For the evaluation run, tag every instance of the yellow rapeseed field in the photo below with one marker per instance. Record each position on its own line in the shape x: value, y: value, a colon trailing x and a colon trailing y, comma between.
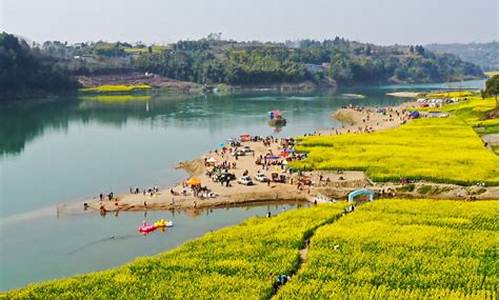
x: 118, y: 88
x: 238, y: 262
x: 403, y: 249
x: 438, y: 150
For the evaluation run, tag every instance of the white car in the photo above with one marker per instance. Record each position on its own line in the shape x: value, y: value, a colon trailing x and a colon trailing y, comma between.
x: 261, y: 178
x: 245, y: 180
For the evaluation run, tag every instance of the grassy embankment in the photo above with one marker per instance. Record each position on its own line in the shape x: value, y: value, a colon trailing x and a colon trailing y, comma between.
x: 438, y: 150
x: 239, y: 262
x: 404, y: 249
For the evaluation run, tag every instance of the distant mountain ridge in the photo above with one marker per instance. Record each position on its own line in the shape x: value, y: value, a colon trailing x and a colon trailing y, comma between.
x: 484, y: 55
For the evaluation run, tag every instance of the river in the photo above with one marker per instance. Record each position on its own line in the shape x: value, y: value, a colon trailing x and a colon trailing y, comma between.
x: 60, y: 150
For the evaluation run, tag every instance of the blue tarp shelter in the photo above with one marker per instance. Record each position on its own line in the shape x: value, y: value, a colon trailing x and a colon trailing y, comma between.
x: 361, y: 192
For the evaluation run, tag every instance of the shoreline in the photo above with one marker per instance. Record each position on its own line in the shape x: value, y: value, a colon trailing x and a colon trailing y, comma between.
x: 404, y: 94
x: 329, y: 183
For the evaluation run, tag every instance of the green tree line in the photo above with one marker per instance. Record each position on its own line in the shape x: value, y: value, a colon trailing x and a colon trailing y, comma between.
x: 25, y: 71
x: 207, y: 61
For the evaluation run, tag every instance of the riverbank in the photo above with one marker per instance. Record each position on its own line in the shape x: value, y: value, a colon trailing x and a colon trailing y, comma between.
x: 304, y: 187
x: 162, y: 83
x: 137, y: 79
x: 369, y: 119
x: 404, y: 94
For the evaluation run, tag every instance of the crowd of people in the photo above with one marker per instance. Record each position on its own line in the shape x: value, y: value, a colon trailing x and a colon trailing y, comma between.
x: 149, y: 191
x: 369, y: 123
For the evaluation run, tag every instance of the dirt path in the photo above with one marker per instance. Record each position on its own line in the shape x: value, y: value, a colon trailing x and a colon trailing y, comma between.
x: 490, y: 139
x: 305, y: 249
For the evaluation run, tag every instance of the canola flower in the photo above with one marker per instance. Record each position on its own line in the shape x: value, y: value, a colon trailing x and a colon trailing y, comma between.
x: 438, y: 150
x: 403, y: 249
x: 116, y: 88
x: 116, y: 98
x: 238, y: 262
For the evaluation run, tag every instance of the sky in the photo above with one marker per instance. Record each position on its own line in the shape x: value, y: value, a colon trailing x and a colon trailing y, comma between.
x: 382, y: 22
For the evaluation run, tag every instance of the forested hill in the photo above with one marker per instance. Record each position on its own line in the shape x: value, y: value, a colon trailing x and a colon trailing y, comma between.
x: 484, y: 55
x: 347, y: 62
x: 51, y: 66
x: 25, y: 71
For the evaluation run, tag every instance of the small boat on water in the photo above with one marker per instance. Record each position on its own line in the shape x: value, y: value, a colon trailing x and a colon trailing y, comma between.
x: 162, y: 223
x: 276, y: 119
x: 146, y: 228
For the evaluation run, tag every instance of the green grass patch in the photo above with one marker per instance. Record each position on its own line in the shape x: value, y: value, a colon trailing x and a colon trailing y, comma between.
x: 403, y: 249
x: 438, y: 150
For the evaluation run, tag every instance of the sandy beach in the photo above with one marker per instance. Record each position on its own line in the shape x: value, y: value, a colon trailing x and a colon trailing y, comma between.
x: 335, y: 185
x: 174, y: 198
x: 404, y: 94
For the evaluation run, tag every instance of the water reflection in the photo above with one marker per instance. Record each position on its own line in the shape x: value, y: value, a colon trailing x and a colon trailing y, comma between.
x: 24, y: 121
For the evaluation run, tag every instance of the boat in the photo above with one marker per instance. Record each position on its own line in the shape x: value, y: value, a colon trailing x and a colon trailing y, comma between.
x: 162, y: 223
x: 277, y: 122
x: 276, y: 119
x: 146, y: 228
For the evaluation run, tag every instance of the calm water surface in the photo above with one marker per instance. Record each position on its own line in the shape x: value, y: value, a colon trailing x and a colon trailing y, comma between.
x: 61, y: 150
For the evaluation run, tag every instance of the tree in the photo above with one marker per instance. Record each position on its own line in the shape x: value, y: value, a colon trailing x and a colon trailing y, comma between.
x: 491, y: 87
x: 24, y: 71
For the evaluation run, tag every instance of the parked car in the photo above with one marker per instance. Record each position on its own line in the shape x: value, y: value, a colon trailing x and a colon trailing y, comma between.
x: 234, y: 143
x: 245, y: 180
x: 278, y: 177
x: 238, y: 152
x: 247, y: 149
x: 261, y: 178
x: 223, y: 177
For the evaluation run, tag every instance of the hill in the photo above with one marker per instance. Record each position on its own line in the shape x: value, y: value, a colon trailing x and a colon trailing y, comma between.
x: 212, y: 61
x: 484, y: 55
x: 54, y: 65
x: 26, y: 71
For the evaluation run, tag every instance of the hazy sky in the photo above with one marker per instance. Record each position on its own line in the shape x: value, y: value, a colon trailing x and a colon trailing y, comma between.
x: 377, y: 21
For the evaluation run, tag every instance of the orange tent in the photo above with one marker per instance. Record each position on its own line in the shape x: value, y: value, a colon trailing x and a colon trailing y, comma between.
x: 193, y: 181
